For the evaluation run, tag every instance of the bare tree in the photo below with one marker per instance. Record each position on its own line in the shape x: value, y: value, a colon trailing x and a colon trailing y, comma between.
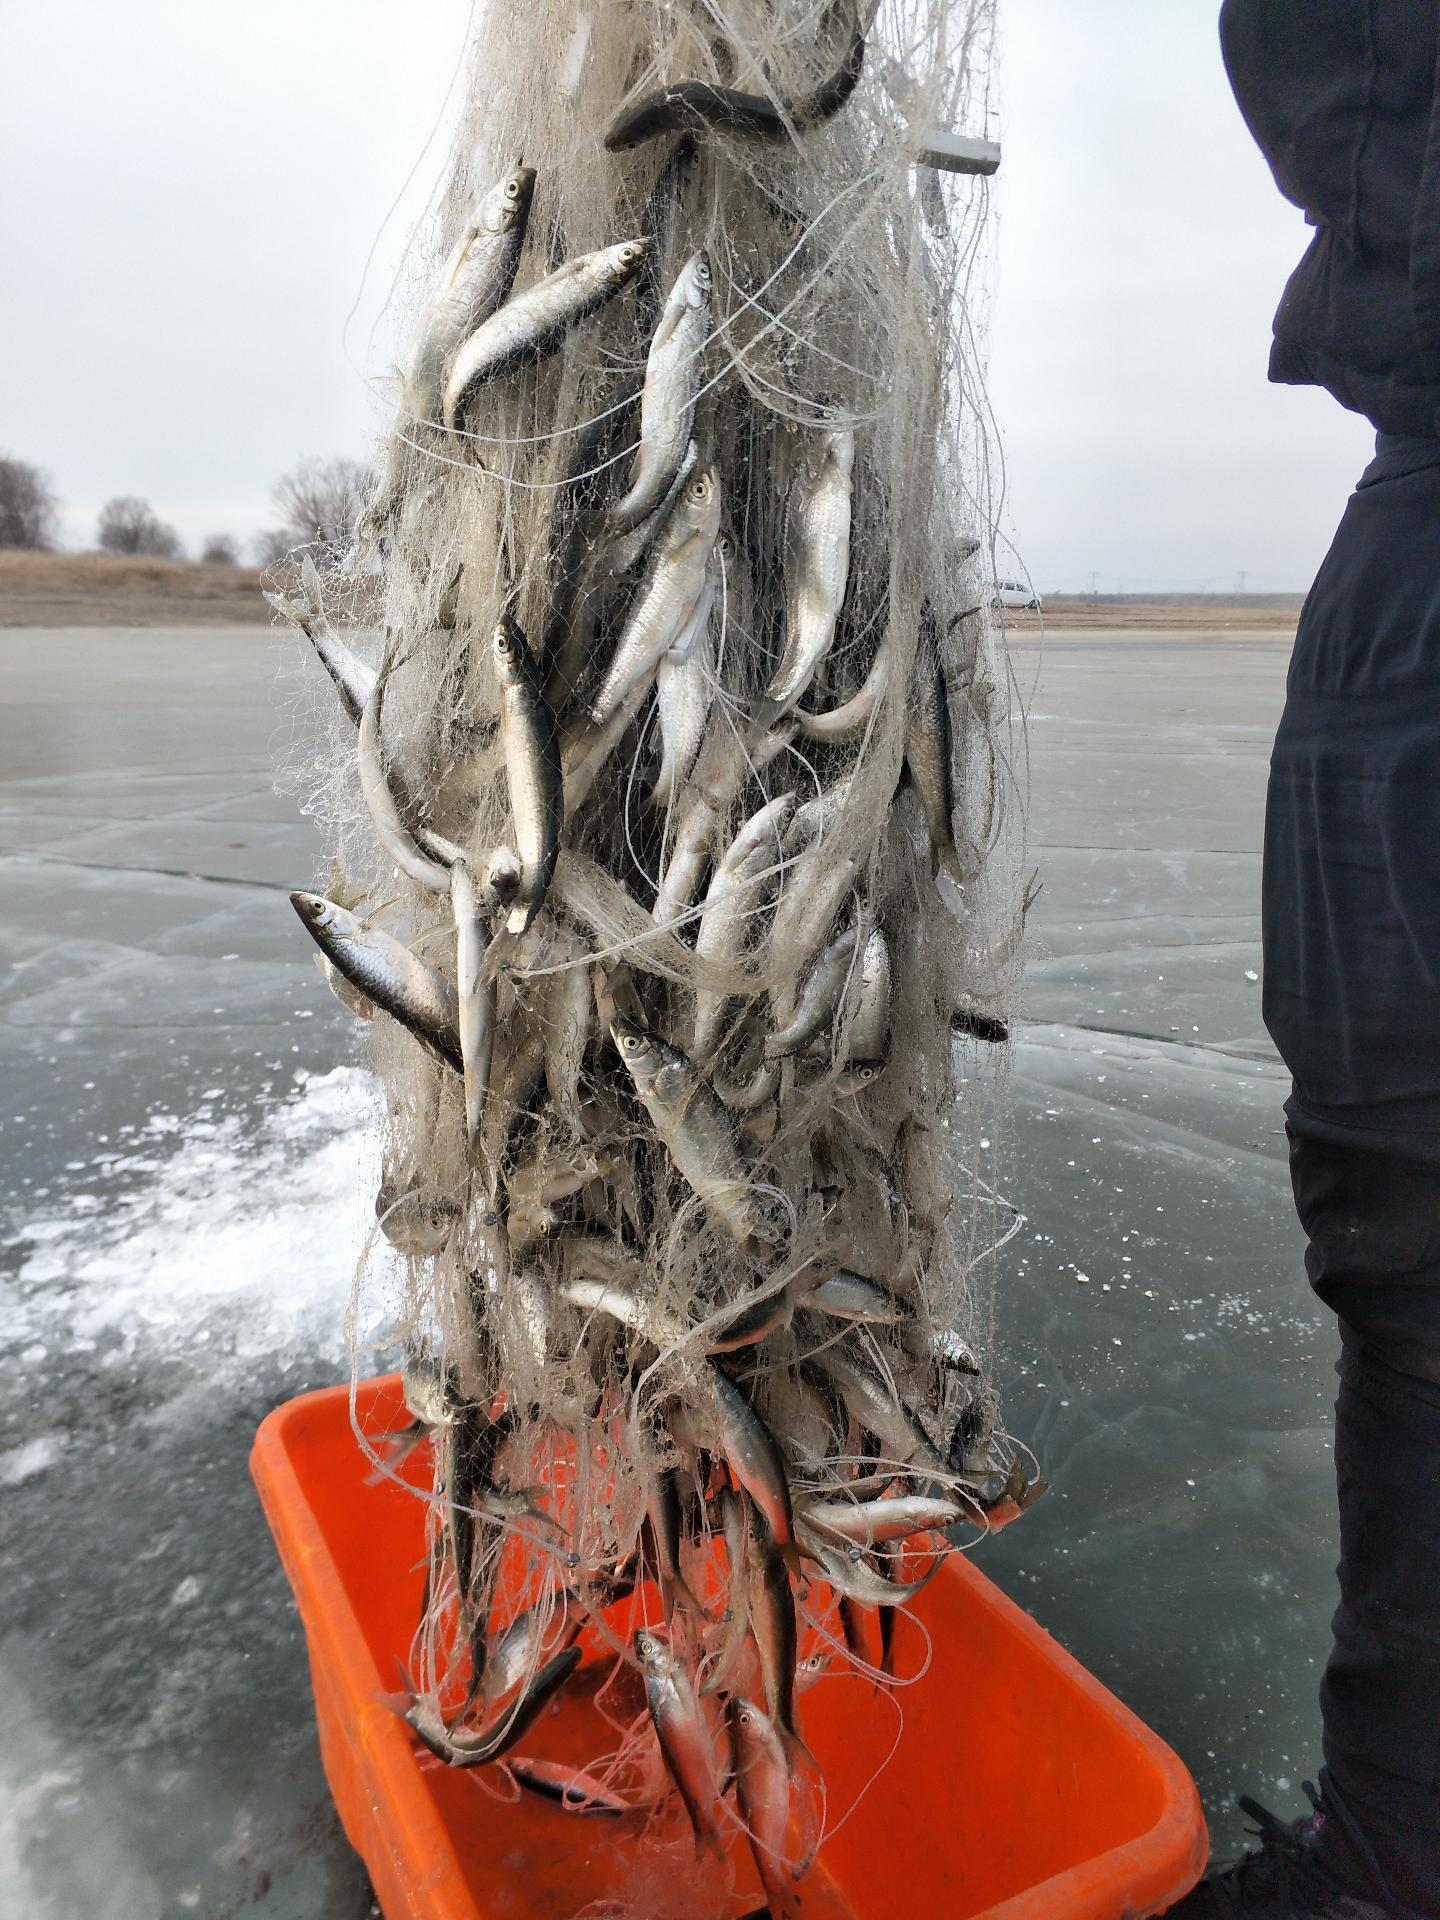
x: 270, y: 548
x: 221, y: 550
x: 27, y: 506
x: 128, y: 525
x: 320, y: 503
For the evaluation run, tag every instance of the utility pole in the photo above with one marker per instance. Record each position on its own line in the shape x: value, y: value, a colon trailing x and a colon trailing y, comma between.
x: 1240, y: 579
x: 1091, y: 579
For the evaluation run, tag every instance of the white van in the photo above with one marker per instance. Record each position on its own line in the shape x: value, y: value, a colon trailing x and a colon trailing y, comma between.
x: 1014, y: 593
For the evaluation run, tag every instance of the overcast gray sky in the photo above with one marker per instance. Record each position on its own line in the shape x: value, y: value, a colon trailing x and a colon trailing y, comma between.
x: 191, y: 192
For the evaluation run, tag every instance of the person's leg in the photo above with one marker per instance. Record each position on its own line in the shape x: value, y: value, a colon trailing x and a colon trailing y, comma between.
x: 1373, y: 1221
x: 1351, y: 911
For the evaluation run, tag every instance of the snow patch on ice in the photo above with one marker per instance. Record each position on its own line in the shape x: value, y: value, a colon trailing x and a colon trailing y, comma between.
x: 239, y: 1237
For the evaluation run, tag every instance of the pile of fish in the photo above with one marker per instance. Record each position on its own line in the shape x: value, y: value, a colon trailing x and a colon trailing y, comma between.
x: 671, y: 796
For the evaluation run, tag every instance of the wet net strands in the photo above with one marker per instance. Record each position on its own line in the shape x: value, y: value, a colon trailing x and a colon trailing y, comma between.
x: 675, y: 841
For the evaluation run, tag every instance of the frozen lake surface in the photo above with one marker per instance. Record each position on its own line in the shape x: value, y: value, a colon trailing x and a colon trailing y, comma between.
x: 188, y: 1165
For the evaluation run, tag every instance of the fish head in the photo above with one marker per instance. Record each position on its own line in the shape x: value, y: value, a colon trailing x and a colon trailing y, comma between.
x: 651, y: 1651
x: 640, y: 1050
x: 695, y: 279
x: 699, y: 505
x: 509, y: 650
x: 318, y: 913
x: 507, y: 204
x: 628, y: 257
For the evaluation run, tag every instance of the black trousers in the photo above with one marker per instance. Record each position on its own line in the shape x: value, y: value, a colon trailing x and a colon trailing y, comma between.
x: 1352, y: 999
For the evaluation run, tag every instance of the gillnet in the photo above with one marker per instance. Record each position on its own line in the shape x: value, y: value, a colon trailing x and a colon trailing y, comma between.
x: 674, y: 841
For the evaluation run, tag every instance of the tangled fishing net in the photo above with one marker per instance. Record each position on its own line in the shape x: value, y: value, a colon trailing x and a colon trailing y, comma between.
x: 674, y: 844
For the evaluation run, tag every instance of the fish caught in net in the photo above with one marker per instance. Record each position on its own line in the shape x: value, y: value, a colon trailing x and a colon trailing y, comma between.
x: 675, y: 843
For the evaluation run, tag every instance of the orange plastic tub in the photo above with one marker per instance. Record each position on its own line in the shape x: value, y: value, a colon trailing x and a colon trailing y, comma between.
x: 1022, y: 1789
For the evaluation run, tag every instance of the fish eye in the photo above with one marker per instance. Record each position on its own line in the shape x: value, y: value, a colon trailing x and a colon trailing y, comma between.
x: 700, y: 487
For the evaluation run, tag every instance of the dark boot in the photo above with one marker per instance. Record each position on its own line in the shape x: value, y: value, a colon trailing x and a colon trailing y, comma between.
x: 1289, y: 1875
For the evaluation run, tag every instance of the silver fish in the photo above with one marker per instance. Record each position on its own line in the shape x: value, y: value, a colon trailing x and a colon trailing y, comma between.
x: 476, y: 995
x: 871, y: 1024
x: 698, y: 1133
x: 754, y: 1457
x: 850, y: 1296
x: 532, y: 769
x: 817, y: 1000
x: 762, y: 1786
x: 428, y: 1394
x: 349, y: 997
x: 568, y: 1022
x: 730, y: 899
x: 727, y: 759
x: 466, y: 1749
x: 474, y: 281
x: 683, y: 1735
x: 772, y: 1620
x: 868, y: 1523
x: 817, y: 561
x: 684, y: 690
x: 663, y: 1511
x: 534, y: 323
x: 667, y: 595
x: 395, y: 836
x: 387, y: 973
x: 354, y: 681
x: 857, y: 1579
x: 570, y: 1786
x: 929, y: 755
x: 413, y: 1222
x: 627, y: 550
x: 667, y: 400
x: 626, y: 1306
x: 874, y: 1404
x: 838, y: 723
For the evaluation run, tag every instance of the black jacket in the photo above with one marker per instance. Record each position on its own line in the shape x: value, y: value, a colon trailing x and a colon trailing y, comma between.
x: 1341, y: 96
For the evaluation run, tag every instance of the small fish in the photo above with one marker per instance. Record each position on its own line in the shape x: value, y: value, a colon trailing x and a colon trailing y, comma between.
x: 623, y: 1304
x: 349, y: 997
x: 838, y: 723
x: 857, y: 1579
x: 569, y: 1786
x: 817, y: 561
x: 354, y: 681
x: 697, y: 107
x: 683, y: 1735
x: 387, y: 973
x: 464, y: 1749
x: 627, y: 550
x: 515, y: 1653
x: 475, y: 280
x: 662, y: 1509
x: 868, y: 1523
x: 872, y: 1401
x: 850, y: 1296
x: 429, y: 1390
x: 871, y: 1024
x: 415, y: 1223
x: 929, y: 756
x: 772, y: 1621
x: 730, y: 899
x: 532, y: 769
x: 697, y: 1132
x: 754, y: 1458
x: 476, y: 995
x: 667, y: 400
x: 534, y: 323
x: 980, y: 1026
x: 818, y: 999
x: 668, y: 593
x: 684, y: 691
x: 395, y: 836
x: 762, y: 1786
